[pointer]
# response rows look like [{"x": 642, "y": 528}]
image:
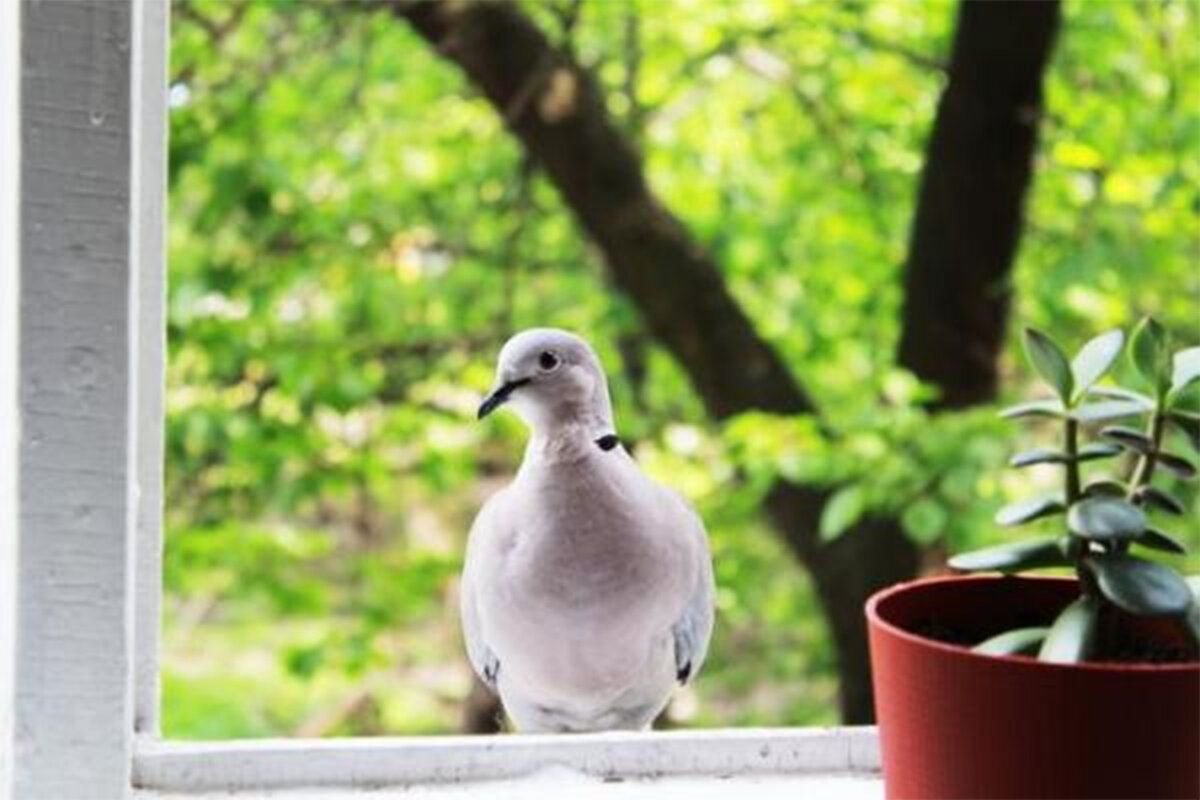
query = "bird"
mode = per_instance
[{"x": 587, "y": 587}]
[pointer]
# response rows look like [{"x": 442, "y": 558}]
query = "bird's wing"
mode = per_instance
[
  {"x": 483, "y": 659},
  {"x": 693, "y": 629}
]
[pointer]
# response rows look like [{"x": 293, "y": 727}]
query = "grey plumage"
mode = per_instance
[{"x": 587, "y": 591}]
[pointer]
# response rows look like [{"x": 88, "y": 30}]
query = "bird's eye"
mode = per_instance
[{"x": 547, "y": 360}]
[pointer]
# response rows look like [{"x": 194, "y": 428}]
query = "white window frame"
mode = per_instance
[{"x": 82, "y": 266}]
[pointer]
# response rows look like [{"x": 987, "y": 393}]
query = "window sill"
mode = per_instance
[
  {"x": 825, "y": 762},
  {"x": 560, "y": 782}
]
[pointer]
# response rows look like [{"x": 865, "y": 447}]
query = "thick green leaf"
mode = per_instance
[
  {"x": 1193, "y": 613},
  {"x": 1186, "y": 369},
  {"x": 1022, "y": 641},
  {"x": 1128, "y": 438},
  {"x": 1106, "y": 519},
  {"x": 1050, "y": 362},
  {"x": 1104, "y": 487},
  {"x": 1013, "y": 557},
  {"x": 1139, "y": 586},
  {"x": 1095, "y": 358},
  {"x": 1121, "y": 393},
  {"x": 1034, "y": 408},
  {"x": 1095, "y": 450},
  {"x": 1105, "y": 410},
  {"x": 1039, "y": 456},
  {"x": 1189, "y": 424},
  {"x": 1154, "y": 497},
  {"x": 1178, "y": 465},
  {"x": 841, "y": 511},
  {"x": 1148, "y": 349},
  {"x": 1026, "y": 510},
  {"x": 1073, "y": 634},
  {"x": 1158, "y": 540}
]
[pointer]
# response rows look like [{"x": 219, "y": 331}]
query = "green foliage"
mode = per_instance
[
  {"x": 1050, "y": 363},
  {"x": 1108, "y": 516},
  {"x": 1140, "y": 587},
  {"x": 843, "y": 509},
  {"x": 1094, "y": 359},
  {"x": 1157, "y": 540},
  {"x": 1023, "y": 511},
  {"x": 1106, "y": 519},
  {"x": 1015, "y": 556},
  {"x": 353, "y": 233},
  {"x": 1021, "y": 641},
  {"x": 1185, "y": 371},
  {"x": 1072, "y": 637},
  {"x": 1148, "y": 348}
]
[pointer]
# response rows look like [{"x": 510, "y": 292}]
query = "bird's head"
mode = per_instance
[{"x": 550, "y": 376}]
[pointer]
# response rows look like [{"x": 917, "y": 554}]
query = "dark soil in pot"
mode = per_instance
[
  {"x": 1127, "y": 640},
  {"x": 958, "y": 724}
]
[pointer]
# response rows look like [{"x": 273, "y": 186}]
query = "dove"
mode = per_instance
[{"x": 587, "y": 587}]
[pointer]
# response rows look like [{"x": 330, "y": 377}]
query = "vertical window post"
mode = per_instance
[
  {"x": 148, "y": 228},
  {"x": 87, "y": 297},
  {"x": 9, "y": 154}
]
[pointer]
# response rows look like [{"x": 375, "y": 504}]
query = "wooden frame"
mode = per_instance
[{"x": 81, "y": 373}]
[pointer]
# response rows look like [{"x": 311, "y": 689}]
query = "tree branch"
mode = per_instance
[{"x": 871, "y": 41}]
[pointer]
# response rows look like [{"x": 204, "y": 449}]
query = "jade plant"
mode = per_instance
[{"x": 1104, "y": 523}]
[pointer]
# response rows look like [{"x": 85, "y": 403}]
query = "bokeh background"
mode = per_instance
[{"x": 354, "y": 232}]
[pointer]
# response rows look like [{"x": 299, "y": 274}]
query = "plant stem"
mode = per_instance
[
  {"x": 1071, "y": 447},
  {"x": 1145, "y": 466},
  {"x": 1077, "y": 547}
]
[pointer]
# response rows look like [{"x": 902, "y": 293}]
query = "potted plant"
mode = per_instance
[{"x": 1084, "y": 686}]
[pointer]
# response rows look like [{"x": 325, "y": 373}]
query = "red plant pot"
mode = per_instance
[{"x": 957, "y": 724}]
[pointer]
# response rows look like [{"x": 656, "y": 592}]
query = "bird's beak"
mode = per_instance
[{"x": 499, "y": 396}]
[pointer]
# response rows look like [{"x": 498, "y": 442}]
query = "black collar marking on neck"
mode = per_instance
[{"x": 608, "y": 441}]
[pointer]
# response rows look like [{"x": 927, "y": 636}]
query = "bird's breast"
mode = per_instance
[{"x": 590, "y": 589}]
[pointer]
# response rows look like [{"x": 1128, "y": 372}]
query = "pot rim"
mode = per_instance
[{"x": 874, "y": 619}]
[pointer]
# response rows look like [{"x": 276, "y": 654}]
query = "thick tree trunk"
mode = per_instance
[
  {"x": 873, "y": 554},
  {"x": 969, "y": 209},
  {"x": 556, "y": 110}
]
